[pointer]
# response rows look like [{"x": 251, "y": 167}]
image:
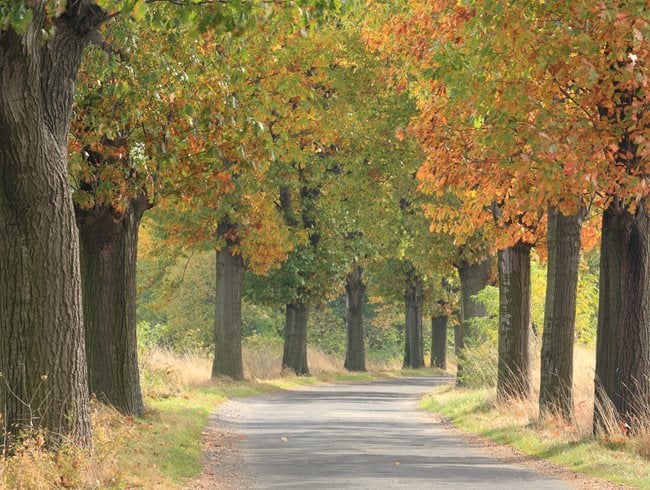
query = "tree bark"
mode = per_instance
[
  {"x": 514, "y": 374},
  {"x": 227, "y": 319},
  {"x": 109, "y": 246},
  {"x": 558, "y": 337},
  {"x": 42, "y": 357},
  {"x": 294, "y": 357},
  {"x": 406, "y": 363},
  {"x": 473, "y": 279},
  {"x": 414, "y": 355},
  {"x": 355, "y": 354},
  {"x": 623, "y": 345},
  {"x": 439, "y": 341}
]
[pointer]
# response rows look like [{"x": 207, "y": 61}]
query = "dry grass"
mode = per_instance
[
  {"x": 165, "y": 373},
  {"x": 263, "y": 360},
  {"x": 526, "y": 412},
  {"x": 34, "y": 467}
]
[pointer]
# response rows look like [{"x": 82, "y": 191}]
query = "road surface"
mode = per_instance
[{"x": 361, "y": 435}]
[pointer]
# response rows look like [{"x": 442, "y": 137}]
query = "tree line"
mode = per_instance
[{"x": 306, "y": 144}]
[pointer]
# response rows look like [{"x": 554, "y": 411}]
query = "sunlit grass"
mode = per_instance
[{"x": 516, "y": 423}]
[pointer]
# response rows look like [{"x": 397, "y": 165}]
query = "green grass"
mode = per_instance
[
  {"x": 164, "y": 446},
  {"x": 474, "y": 411}
]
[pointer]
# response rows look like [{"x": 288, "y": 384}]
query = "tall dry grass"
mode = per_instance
[
  {"x": 33, "y": 466},
  {"x": 165, "y": 373},
  {"x": 527, "y": 410},
  {"x": 615, "y": 432},
  {"x": 263, "y": 359}
]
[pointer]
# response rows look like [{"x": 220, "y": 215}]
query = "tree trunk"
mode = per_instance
[
  {"x": 227, "y": 320},
  {"x": 514, "y": 374},
  {"x": 473, "y": 279},
  {"x": 556, "y": 386},
  {"x": 439, "y": 341},
  {"x": 414, "y": 356},
  {"x": 294, "y": 357},
  {"x": 109, "y": 246},
  {"x": 355, "y": 354},
  {"x": 406, "y": 363},
  {"x": 623, "y": 346},
  {"x": 42, "y": 359}
]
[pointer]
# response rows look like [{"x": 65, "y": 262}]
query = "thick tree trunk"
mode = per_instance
[
  {"x": 473, "y": 279},
  {"x": 42, "y": 359},
  {"x": 413, "y": 300},
  {"x": 623, "y": 346},
  {"x": 355, "y": 353},
  {"x": 109, "y": 246},
  {"x": 294, "y": 357},
  {"x": 556, "y": 386},
  {"x": 439, "y": 341},
  {"x": 227, "y": 320},
  {"x": 514, "y": 374}
]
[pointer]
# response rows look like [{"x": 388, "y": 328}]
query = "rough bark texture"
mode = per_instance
[
  {"x": 623, "y": 346},
  {"x": 355, "y": 353},
  {"x": 294, "y": 357},
  {"x": 406, "y": 363},
  {"x": 556, "y": 386},
  {"x": 43, "y": 364},
  {"x": 227, "y": 319},
  {"x": 473, "y": 278},
  {"x": 439, "y": 341},
  {"x": 413, "y": 350},
  {"x": 514, "y": 373},
  {"x": 109, "y": 246}
]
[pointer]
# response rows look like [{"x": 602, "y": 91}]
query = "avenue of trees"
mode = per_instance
[{"x": 415, "y": 151}]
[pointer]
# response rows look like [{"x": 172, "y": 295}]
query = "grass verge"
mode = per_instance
[{"x": 476, "y": 411}]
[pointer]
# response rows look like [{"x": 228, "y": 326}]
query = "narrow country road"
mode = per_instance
[{"x": 360, "y": 435}]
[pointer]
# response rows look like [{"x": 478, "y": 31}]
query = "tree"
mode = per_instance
[
  {"x": 355, "y": 357},
  {"x": 41, "y": 331},
  {"x": 228, "y": 334},
  {"x": 42, "y": 44},
  {"x": 514, "y": 375},
  {"x": 556, "y": 385},
  {"x": 414, "y": 302},
  {"x": 439, "y": 341}
]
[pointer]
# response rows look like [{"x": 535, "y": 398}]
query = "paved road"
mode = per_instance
[{"x": 362, "y": 435}]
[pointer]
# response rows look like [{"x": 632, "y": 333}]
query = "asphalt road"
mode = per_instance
[{"x": 362, "y": 435}]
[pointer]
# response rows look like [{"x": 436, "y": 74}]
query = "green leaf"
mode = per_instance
[{"x": 20, "y": 18}]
